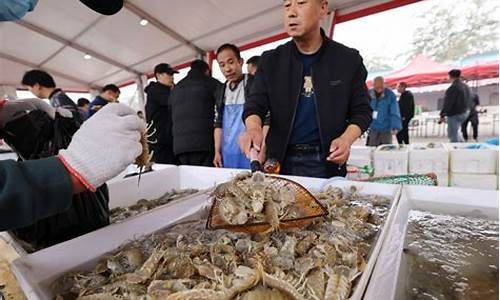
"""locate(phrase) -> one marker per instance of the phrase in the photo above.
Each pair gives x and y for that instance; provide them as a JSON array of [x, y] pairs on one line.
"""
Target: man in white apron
[[229, 109]]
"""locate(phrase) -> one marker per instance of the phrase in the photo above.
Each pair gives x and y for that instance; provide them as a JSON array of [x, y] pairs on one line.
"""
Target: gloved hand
[[11, 110], [104, 145]]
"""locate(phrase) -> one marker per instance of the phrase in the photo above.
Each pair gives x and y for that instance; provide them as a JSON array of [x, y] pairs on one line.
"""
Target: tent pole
[[141, 79]]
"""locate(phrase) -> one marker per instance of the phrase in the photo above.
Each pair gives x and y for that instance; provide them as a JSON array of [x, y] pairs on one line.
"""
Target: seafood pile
[[319, 261], [119, 214], [254, 199], [451, 257]]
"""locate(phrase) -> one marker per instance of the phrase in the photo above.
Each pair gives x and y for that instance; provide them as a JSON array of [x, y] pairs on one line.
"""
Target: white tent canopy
[[56, 36]]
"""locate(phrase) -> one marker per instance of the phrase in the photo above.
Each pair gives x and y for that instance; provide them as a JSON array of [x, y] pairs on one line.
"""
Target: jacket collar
[[54, 92], [321, 50]]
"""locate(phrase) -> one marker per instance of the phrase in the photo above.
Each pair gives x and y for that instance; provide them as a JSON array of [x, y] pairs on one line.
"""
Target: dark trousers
[[200, 158], [474, 121], [305, 160], [403, 136], [163, 154]]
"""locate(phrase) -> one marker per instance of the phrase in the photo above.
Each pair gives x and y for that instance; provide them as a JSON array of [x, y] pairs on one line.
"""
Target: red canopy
[[424, 71]]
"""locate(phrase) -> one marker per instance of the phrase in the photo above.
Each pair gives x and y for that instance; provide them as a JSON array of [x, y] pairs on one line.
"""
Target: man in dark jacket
[[457, 102], [473, 119], [193, 101], [315, 91], [159, 114], [407, 111], [109, 94], [42, 85]]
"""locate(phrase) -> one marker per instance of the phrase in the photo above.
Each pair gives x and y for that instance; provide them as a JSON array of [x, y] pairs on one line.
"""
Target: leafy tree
[[452, 30], [376, 63]]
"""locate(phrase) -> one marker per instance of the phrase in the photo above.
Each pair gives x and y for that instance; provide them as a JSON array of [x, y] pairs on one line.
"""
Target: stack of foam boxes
[[473, 166], [430, 158], [390, 160], [360, 158]]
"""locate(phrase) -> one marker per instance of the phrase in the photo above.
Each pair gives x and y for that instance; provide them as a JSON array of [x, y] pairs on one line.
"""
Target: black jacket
[[457, 99], [407, 106], [339, 83], [59, 99], [158, 113], [193, 102]]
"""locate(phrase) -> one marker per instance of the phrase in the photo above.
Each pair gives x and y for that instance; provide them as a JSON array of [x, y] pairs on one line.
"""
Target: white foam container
[[134, 169], [443, 179], [362, 152], [359, 161], [127, 191], [425, 159], [36, 271], [474, 181], [387, 277], [472, 161], [390, 162]]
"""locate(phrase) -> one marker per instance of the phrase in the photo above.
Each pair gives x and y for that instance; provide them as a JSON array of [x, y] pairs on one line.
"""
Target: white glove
[[104, 145], [14, 109]]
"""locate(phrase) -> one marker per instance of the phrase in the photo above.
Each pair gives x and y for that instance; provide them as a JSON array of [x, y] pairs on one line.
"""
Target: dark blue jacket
[[97, 101], [387, 110]]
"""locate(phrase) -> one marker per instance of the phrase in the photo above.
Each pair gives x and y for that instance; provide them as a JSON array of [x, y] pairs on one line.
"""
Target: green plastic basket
[[410, 179]]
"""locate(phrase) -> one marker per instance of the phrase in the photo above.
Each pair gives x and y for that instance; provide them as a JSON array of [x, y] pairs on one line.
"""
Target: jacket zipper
[[294, 113], [317, 111]]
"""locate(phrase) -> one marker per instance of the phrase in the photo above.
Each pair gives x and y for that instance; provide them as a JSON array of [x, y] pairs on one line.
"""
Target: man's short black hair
[[455, 73], [110, 87], [82, 102], [43, 78], [231, 47], [254, 60], [199, 65], [403, 84]]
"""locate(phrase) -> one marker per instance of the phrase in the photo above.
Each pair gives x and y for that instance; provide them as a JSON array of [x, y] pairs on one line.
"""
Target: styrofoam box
[[387, 281], [362, 151], [475, 181], [134, 169], [390, 162], [35, 272], [443, 179], [472, 161], [425, 159], [127, 191], [359, 161]]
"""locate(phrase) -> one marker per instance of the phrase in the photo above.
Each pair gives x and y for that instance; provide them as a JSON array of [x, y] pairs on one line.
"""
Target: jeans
[[474, 121], [379, 138], [403, 136], [307, 161], [454, 124]]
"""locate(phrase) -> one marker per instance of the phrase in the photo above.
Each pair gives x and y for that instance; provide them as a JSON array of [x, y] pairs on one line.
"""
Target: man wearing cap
[[159, 114], [109, 94], [457, 102]]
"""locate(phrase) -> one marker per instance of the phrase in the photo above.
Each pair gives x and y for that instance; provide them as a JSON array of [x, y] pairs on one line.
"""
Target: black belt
[[303, 149]]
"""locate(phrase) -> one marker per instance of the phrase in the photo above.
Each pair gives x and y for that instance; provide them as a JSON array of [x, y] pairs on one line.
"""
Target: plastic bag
[[35, 136]]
